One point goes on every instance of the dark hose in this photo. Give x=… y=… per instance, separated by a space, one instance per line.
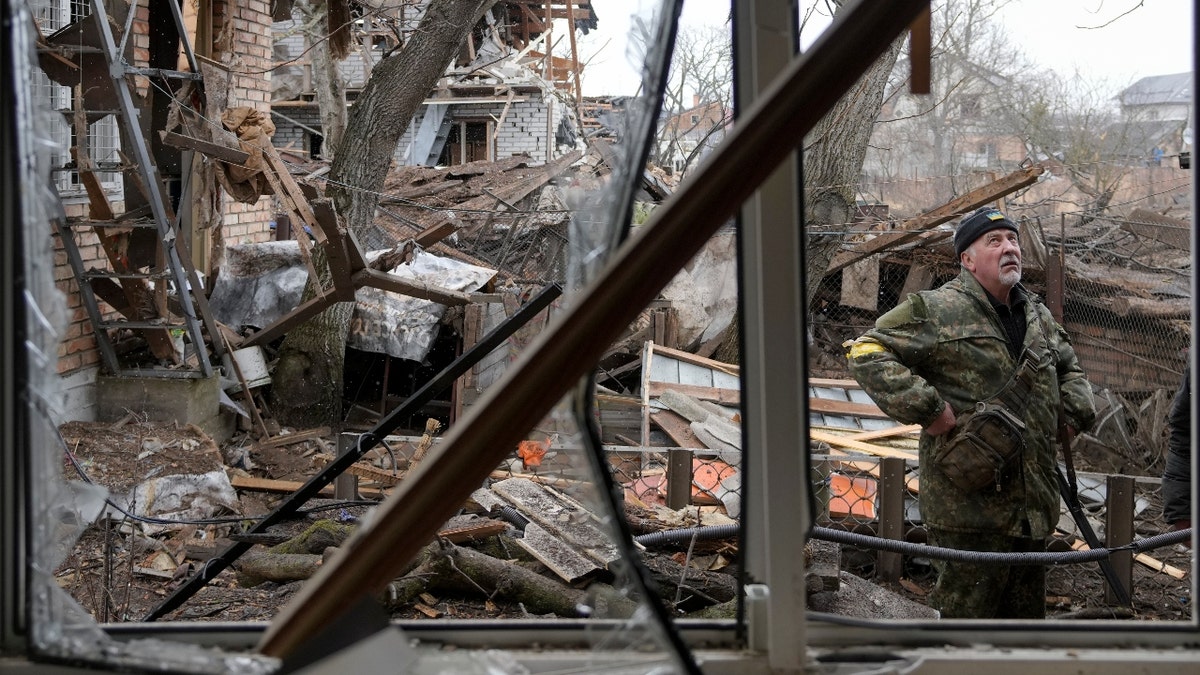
x=925 y=550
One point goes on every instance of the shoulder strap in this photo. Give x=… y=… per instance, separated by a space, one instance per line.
x=1015 y=393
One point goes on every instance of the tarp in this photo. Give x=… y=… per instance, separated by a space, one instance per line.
x=262 y=282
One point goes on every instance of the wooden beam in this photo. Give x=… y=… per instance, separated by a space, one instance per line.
x=824 y=405
x=688 y=357
x=870 y=449
x=913 y=228
x=715 y=394
x=289 y=439
x=410 y=287
x=275 y=486
x=207 y=148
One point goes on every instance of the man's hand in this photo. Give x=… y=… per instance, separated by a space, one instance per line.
x=944 y=423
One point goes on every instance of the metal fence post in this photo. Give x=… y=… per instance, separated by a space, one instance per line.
x=891 y=516
x=1118 y=531
x=679 y=478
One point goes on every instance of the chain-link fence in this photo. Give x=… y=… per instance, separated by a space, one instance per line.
x=851 y=495
x=1118 y=279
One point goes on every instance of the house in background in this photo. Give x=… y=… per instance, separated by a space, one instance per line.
x=688 y=135
x=1158 y=111
x=503 y=95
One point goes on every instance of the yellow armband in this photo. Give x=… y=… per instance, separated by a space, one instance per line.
x=860 y=348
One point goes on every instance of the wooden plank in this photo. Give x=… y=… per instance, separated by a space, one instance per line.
x=913 y=228
x=677 y=428
x=482 y=529
x=688 y=357
x=842 y=441
x=288 y=439
x=291 y=189
x=864 y=436
x=300 y=235
x=99 y=207
x=919 y=278
x=336 y=253
x=719 y=395
x=827 y=406
x=411 y=287
x=1148 y=561
x=207 y=148
x=647 y=362
x=255 y=484
x=833 y=384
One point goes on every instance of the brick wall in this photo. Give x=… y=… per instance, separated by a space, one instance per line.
x=250 y=62
x=77 y=348
x=524 y=129
x=289 y=133
x=77 y=351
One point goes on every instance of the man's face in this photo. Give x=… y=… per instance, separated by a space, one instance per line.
x=995 y=260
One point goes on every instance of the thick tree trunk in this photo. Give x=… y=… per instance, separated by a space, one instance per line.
x=307 y=388
x=456 y=569
x=398 y=85
x=833 y=158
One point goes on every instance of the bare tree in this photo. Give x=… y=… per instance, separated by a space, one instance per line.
x=833 y=158
x=308 y=378
x=699 y=96
x=1070 y=124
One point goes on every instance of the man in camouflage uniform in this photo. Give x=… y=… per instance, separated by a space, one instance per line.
x=930 y=360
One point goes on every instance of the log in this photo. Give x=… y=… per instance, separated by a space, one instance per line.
x=695 y=588
x=254 y=568
x=315 y=538
x=450 y=568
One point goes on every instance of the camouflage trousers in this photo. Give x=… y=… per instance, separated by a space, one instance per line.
x=988 y=591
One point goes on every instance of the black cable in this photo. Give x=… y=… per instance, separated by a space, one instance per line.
x=925 y=550
x=611 y=495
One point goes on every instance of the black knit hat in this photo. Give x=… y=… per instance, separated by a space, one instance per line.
x=977 y=222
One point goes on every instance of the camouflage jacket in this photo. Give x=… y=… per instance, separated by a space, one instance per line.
x=948 y=345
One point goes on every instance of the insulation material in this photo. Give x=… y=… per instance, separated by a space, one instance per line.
x=262 y=282
x=405 y=327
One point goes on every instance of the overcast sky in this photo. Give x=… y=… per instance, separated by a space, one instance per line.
x=1065 y=35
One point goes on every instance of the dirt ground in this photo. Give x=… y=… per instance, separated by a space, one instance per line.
x=120 y=570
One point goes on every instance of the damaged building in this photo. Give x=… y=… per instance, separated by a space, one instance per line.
x=505 y=94
x=543 y=467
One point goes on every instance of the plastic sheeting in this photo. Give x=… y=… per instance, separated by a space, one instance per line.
x=263 y=282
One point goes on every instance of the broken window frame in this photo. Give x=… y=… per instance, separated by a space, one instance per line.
x=775 y=403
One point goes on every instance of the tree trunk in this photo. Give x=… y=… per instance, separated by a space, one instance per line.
x=456 y=569
x=398 y=85
x=307 y=389
x=833 y=158
x=327 y=80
